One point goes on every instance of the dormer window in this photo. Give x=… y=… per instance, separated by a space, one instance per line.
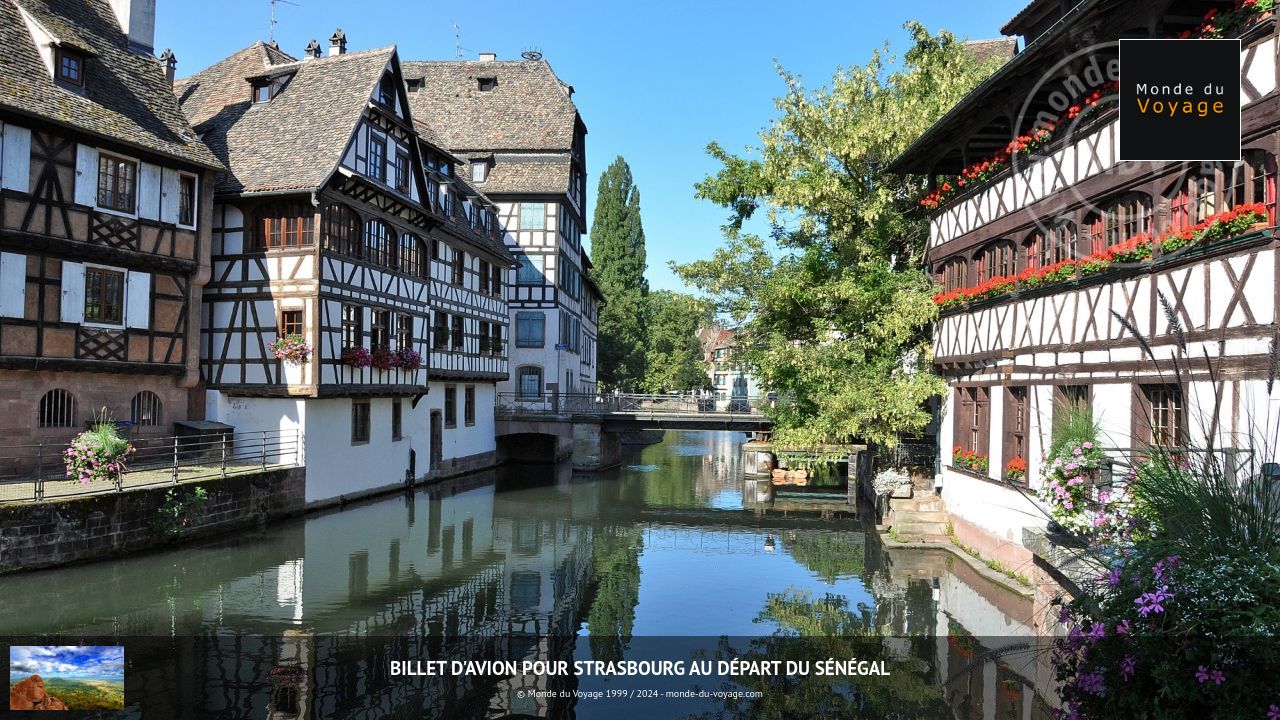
x=479 y=170
x=262 y=91
x=387 y=91
x=486 y=84
x=69 y=66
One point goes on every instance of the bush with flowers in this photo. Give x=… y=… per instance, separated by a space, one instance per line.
x=1069 y=477
x=1217 y=24
x=383 y=359
x=408 y=359
x=291 y=349
x=1016 y=469
x=357 y=357
x=970 y=459
x=99 y=453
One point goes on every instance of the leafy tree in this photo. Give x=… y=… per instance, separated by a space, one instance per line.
x=618 y=256
x=673 y=358
x=835 y=317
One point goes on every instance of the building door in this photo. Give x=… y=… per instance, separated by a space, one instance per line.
x=437 y=439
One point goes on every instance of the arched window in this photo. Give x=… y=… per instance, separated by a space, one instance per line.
x=340 y=229
x=285 y=225
x=954 y=274
x=1194 y=198
x=57 y=409
x=1253 y=180
x=1118 y=220
x=413 y=255
x=529 y=381
x=144 y=409
x=377 y=243
x=1046 y=247
x=996 y=260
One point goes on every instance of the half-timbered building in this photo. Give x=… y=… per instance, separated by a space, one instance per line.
x=515 y=125
x=1055 y=264
x=470 y=265
x=104 y=223
x=321 y=246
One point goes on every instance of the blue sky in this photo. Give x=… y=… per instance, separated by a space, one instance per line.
x=654 y=81
x=67 y=661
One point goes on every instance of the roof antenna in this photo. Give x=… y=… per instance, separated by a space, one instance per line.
x=457 y=40
x=271 y=31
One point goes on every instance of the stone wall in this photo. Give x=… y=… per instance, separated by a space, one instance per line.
x=39 y=535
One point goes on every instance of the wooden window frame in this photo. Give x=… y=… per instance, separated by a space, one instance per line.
x=378 y=169
x=1116 y=221
x=1195 y=196
x=1148 y=401
x=360 y=422
x=486 y=276
x=262 y=92
x=440 y=331
x=397 y=420
x=96 y=316
x=61 y=56
x=457 y=332
x=188 y=199
x=292 y=321
x=495 y=282
x=1017 y=424
x=402 y=171
x=110 y=182
x=412 y=256
x=404 y=332
x=285 y=225
x=458 y=267
x=973 y=418
x=1253 y=180
x=341 y=229
x=954 y=274
x=997 y=259
x=469 y=406
x=377 y=246
x=380 y=329
x=352 y=326
x=450 y=406
x=387 y=92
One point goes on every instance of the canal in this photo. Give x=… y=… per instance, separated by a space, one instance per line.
x=673 y=556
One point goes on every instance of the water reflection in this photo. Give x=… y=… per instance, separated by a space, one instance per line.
x=302 y=619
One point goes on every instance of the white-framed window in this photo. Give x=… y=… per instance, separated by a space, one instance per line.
x=479 y=170
x=117 y=184
x=533 y=216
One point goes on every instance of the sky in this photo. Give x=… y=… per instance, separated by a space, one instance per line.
x=66 y=661
x=654 y=81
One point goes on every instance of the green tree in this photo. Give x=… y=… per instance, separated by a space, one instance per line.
x=618 y=257
x=834 y=308
x=673 y=358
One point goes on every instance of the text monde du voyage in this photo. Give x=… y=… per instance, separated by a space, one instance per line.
x=1180 y=99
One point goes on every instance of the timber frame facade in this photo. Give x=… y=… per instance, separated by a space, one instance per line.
x=104 y=231
x=1016 y=359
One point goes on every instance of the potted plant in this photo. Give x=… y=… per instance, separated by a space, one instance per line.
x=1016 y=469
x=291 y=349
x=99 y=453
x=408 y=359
x=357 y=357
x=382 y=359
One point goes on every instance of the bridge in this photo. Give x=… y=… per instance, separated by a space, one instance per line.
x=585 y=427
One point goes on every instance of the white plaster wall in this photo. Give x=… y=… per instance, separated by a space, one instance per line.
x=336 y=467
x=461 y=441
x=947 y=427
x=279 y=417
x=1001 y=510
x=1113 y=411
x=995 y=431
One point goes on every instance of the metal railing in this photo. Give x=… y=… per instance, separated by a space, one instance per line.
x=38 y=472
x=510 y=404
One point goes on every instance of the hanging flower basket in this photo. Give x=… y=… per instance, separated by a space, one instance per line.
x=99 y=453
x=408 y=359
x=291 y=349
x=357 y=357
x=383 y=359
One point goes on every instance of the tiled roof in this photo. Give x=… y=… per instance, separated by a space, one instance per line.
x=528 y=173
x=294 y=141
x=985 y=50
x=529 y=109
x=126 y=95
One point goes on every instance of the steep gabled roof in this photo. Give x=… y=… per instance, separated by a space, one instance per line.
x=294 y=141
x=529 y=109
x=126 y=96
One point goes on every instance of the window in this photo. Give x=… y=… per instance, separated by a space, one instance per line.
x=437 y=250
x=954 y=275
x=404 y=331
x=262 y=91
x=1047 y=247
x=479 y=170
x=495 y=284
x=377 y=243
x=387 y=91
x=290 y=322
x=377 y=158
x=187 y=202
x=397 y=420
x=971 y=418
x=996 y=260
x=70 y=66
x=117 y=183
x=456 y=335
x=380 y=330
x=531 y=270
x=413 y=256
x=485 y=277
x=1194 y=199
x=486 y=84
x=529 y=382
x=340 y=229
x=533 y=216
x=103 y=296
x=1253 y=180
x=402 y=172
x=144 y=409
x=570 y=280
x=530 y=329
x=352 y=326
x=1016 y=423
x=440 y=331
x=450 y=406
x=285 y=225
x=1118 y=221
x=570 y=328
x=459 y=266
x=359 y=422
x=1165 y=415
x=469 y=405
x=57 y=409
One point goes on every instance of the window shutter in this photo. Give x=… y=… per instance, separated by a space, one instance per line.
x=13 y=285
x=86 y=175
x=169 y=197
x=137 y=303
x=1097 y=234
x=72 y=310
x=1179 y=211
x=15 y=163
x=148 y=191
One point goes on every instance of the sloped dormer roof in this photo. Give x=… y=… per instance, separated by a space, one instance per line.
x=295 y=141
x=126 y=96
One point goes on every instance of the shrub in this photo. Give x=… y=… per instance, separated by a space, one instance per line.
x=99 y=453
x=291 y=349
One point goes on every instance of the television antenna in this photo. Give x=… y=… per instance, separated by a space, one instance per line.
x=271 y=31
x=457 y=40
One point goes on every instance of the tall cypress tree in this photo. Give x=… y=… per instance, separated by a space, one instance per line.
x=618 y=256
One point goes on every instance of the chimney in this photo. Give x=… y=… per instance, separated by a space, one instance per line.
x=170 y=64
x=488 y=57
x=312 y=51
x=338 y=43
x=137 y=19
